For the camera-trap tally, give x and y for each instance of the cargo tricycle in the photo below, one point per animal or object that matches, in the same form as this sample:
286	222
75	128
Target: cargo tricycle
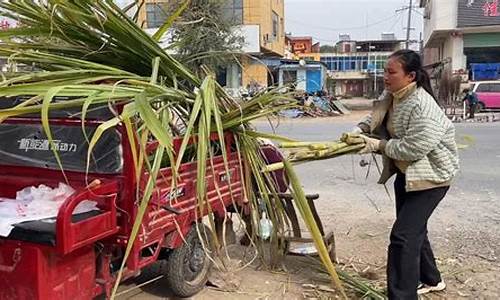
77	255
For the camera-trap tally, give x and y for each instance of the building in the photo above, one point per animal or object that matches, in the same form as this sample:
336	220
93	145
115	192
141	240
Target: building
268	16
307	76
260	22
356	67
460	34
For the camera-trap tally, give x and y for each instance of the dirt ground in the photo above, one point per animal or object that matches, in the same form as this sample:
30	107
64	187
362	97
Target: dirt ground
463	231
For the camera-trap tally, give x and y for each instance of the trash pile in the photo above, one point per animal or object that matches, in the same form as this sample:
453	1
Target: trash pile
316	105
37	203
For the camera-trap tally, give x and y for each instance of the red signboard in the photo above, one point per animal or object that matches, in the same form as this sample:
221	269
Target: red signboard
490	9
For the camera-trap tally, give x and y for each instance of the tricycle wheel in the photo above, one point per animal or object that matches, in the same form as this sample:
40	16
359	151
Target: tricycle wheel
188	266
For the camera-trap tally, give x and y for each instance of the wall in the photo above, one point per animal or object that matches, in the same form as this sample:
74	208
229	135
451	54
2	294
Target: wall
260	12
443	16
453	48
301	80
431	55
254	71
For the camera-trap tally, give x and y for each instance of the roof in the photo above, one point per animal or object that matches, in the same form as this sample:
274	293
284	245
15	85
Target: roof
380	41
299	37
276	62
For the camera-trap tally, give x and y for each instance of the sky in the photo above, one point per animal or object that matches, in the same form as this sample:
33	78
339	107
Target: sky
324	20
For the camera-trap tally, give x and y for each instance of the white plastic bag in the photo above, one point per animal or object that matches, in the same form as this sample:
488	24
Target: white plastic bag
36	203
266	227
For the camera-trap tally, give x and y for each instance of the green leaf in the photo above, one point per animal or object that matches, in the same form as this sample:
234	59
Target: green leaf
51	93
170	20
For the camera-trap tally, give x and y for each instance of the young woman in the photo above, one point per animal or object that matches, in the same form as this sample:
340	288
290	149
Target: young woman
417	142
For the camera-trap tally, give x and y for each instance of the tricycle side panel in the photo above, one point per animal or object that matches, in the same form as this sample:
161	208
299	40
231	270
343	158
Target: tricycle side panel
171	212
29	271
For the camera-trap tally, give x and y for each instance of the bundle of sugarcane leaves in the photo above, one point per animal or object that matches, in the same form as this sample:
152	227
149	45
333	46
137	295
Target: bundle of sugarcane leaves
93	54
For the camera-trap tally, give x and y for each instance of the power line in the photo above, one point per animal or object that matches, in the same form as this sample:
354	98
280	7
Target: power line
342	28
395	22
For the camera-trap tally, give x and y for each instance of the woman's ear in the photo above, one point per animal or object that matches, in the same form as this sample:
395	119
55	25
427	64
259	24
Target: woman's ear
413	75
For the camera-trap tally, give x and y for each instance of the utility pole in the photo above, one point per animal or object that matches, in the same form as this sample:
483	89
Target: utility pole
408	27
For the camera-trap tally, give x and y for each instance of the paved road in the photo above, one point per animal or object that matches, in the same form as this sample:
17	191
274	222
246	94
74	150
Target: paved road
476	188
480	163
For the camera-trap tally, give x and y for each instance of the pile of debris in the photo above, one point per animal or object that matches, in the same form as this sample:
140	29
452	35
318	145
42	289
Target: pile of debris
316	105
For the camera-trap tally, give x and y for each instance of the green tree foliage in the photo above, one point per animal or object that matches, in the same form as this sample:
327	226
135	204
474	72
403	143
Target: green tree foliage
204	35
327	49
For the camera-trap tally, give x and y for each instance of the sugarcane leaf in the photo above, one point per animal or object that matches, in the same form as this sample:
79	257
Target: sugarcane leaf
51	93
126	119
170	20
148	191
98	134
152	122
258	134
189	129
305	211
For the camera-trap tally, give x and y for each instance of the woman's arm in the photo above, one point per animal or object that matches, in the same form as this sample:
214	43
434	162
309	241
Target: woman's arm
423	135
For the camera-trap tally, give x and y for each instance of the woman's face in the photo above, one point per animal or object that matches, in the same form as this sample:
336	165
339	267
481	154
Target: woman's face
395	77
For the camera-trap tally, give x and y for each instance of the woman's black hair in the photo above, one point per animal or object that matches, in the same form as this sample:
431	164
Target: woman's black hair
412	63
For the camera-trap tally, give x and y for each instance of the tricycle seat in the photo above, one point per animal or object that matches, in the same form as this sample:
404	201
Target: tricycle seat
44	231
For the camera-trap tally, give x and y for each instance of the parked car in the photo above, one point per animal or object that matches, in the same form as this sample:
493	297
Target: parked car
488	93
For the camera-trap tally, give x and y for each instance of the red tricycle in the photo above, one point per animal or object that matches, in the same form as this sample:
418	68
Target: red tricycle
78	255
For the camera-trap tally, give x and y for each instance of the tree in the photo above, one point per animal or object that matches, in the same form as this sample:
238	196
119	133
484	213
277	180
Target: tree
204	34
327	49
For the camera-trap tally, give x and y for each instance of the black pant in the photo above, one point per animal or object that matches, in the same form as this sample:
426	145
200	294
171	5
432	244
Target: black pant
472	110
410	258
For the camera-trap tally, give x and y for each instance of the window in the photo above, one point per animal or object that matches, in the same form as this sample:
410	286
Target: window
233	11
495	87
156	14
484	87
33	149
289	77
275	25
365	65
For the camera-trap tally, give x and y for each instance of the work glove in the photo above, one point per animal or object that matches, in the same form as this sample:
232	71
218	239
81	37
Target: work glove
356	130
352	138
371	144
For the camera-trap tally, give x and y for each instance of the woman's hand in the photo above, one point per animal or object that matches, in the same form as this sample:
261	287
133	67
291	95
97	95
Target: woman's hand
371	144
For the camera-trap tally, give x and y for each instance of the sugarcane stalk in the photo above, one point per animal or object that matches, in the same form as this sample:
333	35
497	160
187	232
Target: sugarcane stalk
313	155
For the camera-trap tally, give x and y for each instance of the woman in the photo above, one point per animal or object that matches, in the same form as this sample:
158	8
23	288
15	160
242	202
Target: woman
417	142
